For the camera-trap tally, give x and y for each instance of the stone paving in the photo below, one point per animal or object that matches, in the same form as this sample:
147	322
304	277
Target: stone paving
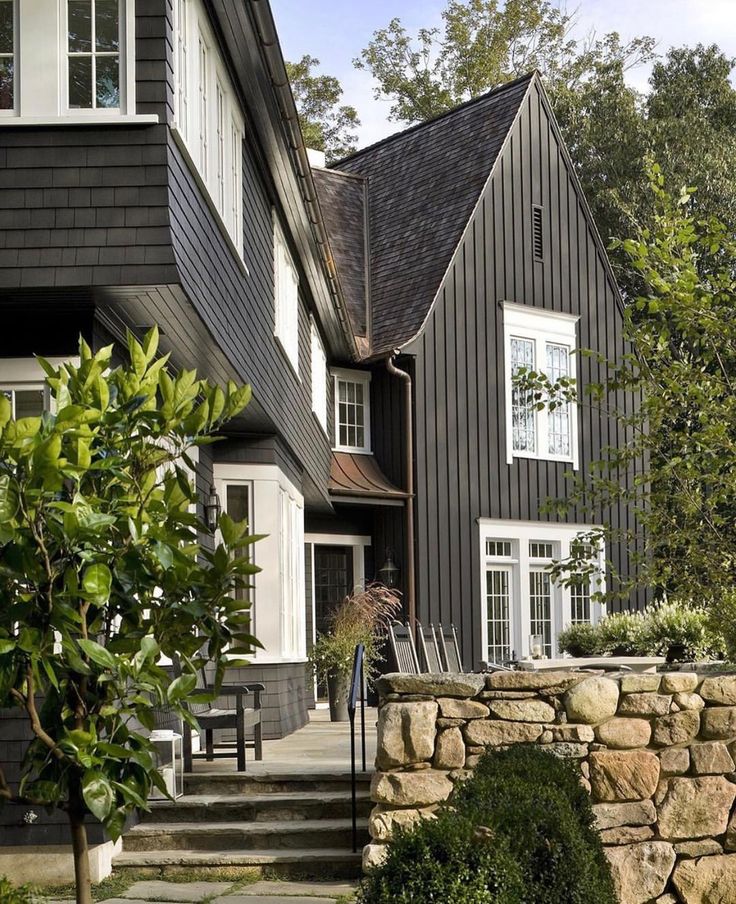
262	892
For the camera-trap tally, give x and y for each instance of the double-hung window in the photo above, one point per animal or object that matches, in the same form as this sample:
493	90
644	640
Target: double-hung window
521	602
319	378
208	120
7	55
93	54
352	410
286	294
539	342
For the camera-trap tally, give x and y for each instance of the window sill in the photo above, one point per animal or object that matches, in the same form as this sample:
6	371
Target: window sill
352	450
529	456
72	119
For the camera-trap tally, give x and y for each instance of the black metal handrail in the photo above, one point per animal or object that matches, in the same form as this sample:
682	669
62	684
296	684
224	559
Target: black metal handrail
357	686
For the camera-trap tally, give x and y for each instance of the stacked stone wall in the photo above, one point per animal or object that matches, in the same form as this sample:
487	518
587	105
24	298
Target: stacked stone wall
657	753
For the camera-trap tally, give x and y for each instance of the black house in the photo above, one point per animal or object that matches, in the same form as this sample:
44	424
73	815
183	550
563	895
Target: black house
153	171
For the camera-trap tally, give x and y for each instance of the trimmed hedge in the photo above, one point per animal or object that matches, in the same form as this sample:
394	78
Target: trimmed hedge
519	830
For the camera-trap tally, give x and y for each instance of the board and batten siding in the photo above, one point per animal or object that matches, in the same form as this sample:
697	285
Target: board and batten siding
461	465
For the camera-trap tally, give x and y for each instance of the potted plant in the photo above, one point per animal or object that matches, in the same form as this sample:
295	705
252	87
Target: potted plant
361	618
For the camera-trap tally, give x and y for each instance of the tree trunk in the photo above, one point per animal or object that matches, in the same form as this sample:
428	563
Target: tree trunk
79	845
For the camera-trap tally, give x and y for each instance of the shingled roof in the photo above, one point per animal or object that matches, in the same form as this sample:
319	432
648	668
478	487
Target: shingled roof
342	199
423	185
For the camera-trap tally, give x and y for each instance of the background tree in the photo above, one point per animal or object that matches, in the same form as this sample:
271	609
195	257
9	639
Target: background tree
681	455
101	571
327	125
685	121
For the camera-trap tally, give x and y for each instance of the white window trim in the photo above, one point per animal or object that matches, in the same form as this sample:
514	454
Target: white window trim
13	114
320	393
521	533
540	326
41	90
187	126
352	376
281	623
286	322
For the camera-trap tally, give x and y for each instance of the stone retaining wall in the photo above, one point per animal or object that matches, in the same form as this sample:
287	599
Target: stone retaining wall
657	753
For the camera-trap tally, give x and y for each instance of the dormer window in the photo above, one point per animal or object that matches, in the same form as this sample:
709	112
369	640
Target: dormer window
352	410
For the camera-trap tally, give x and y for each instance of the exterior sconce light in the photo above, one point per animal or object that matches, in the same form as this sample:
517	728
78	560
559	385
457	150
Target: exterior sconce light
388	573
212	508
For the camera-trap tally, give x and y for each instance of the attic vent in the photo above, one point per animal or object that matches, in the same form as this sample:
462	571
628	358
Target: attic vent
537	237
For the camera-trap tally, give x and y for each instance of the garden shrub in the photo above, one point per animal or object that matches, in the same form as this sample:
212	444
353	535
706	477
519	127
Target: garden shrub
535	801
519	830
622	634
20	894
580	640
443	860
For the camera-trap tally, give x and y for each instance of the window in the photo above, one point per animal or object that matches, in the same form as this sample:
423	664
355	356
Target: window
209	122
238	499
26	399
520	598
352	410
286	292
93	54
7	55
319	378
538	341
182	63
274	508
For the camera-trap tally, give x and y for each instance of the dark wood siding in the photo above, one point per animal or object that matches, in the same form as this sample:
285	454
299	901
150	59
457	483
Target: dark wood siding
461	468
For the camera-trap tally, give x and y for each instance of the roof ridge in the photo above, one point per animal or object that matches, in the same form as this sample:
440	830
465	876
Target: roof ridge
333	167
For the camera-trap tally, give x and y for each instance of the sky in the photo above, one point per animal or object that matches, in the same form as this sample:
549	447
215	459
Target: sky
335	31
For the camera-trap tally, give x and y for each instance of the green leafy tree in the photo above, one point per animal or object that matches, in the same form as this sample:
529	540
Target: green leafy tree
327	125
678	469
101	572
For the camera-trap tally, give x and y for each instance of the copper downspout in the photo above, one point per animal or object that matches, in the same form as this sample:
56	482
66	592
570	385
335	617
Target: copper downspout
409	480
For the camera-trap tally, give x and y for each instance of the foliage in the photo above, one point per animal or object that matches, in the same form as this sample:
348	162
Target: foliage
361	618
519	829
17	894
687	120
683	631
580	639
327	125
445	859
101	571
534	802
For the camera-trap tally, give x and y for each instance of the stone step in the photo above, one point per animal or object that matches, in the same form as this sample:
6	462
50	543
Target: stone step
277	864
258	807
243	783
305	834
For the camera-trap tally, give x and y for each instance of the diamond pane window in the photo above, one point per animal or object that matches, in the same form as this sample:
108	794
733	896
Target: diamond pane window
93	49
540	607
498	604
558	427
522	403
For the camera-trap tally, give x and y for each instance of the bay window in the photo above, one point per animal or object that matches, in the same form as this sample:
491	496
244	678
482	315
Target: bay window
68	61
274	507
538	341
519	596
352	410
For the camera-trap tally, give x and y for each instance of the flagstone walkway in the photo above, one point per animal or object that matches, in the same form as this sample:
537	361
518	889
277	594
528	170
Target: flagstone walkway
263	892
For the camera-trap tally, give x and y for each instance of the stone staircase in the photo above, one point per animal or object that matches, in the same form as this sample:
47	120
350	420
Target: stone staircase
281	825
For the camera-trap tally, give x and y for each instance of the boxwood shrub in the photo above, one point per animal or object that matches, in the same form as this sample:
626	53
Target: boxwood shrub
519	830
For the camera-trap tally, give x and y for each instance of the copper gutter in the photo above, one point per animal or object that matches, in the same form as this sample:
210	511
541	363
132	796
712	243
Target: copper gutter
409	487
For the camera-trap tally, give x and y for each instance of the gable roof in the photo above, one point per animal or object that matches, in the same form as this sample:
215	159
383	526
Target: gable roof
423	185
342	199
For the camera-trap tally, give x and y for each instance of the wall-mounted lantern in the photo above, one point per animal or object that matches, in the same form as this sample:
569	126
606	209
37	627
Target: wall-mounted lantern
212	508
388	573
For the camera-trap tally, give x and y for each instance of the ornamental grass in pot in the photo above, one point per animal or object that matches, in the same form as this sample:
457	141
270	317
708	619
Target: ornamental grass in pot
362	617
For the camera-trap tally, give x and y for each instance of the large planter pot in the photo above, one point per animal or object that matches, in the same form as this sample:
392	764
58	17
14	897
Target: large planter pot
338	691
